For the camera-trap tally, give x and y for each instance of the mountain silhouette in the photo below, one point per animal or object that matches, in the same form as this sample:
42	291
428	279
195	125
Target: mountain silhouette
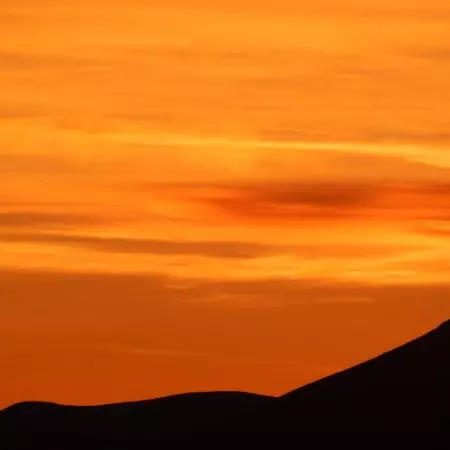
398	400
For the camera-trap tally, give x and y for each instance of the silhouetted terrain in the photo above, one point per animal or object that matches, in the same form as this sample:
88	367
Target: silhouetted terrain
398	400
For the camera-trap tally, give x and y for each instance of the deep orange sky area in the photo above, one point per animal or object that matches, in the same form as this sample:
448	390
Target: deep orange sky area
230	195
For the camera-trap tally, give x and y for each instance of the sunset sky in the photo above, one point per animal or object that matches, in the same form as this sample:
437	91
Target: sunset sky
232	194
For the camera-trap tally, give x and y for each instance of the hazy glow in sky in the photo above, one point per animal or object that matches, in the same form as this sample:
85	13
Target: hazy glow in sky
246	195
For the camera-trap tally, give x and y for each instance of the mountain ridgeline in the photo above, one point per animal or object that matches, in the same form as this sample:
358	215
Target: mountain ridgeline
398	400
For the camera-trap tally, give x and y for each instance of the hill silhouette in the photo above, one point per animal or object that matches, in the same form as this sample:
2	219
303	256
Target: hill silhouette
400	399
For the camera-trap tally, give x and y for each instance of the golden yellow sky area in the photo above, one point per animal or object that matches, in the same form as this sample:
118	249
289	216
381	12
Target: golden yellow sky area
245	195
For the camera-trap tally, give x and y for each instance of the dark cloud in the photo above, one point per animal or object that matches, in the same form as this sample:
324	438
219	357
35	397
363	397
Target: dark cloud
296	200
146	246
322	195
26	220
307	200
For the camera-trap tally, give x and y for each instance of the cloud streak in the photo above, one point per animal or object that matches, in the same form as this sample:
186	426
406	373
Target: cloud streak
30	220
297	201
322	201
225	249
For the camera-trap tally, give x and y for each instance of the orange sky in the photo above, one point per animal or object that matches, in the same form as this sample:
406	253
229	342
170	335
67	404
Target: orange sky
249	195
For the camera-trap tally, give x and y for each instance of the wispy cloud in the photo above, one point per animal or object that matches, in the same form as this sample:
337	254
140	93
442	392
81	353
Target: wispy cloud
223	249
31	220
155	352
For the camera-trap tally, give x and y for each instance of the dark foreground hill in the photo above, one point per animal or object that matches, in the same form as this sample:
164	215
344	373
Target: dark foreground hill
399	400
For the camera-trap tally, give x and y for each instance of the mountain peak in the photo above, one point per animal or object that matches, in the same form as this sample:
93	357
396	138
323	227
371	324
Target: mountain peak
441	333
395	400
444	326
